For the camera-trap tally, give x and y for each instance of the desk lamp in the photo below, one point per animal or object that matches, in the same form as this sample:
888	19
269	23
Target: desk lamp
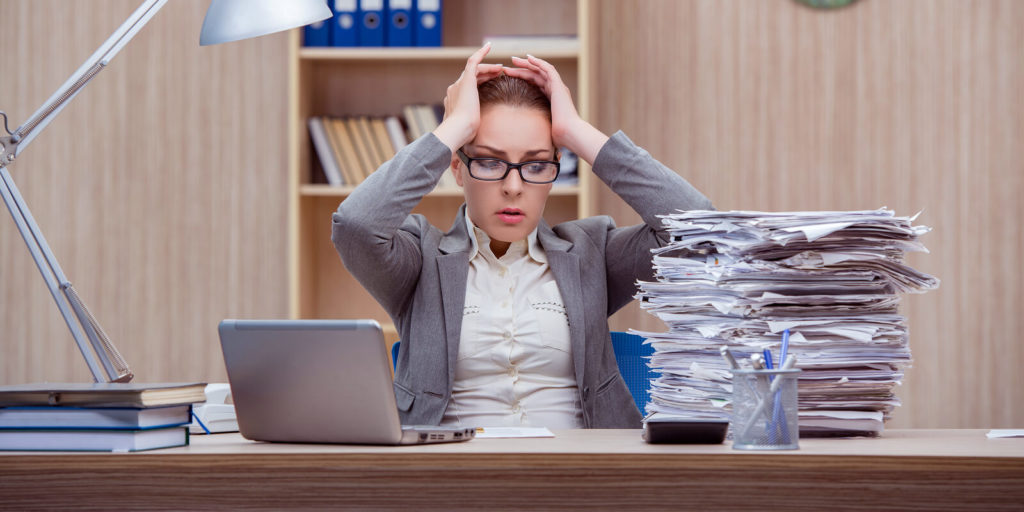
226	20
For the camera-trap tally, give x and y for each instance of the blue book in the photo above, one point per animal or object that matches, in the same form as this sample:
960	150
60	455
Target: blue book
371	23
399	23
93	418
344	29
427	28
93	440
317	33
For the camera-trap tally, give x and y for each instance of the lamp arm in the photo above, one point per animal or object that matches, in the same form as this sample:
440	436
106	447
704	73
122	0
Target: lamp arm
12	146
106	365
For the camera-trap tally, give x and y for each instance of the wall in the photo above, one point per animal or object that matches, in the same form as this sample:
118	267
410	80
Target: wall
161	188
911	104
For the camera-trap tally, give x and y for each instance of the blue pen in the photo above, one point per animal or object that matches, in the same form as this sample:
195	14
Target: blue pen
785	345
768	359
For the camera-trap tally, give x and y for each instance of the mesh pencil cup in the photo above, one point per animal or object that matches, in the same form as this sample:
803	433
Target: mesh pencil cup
764	410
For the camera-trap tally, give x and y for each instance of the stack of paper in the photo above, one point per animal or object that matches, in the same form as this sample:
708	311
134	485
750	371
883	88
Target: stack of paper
741	278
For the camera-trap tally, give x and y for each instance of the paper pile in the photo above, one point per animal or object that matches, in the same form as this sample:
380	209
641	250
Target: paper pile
741	278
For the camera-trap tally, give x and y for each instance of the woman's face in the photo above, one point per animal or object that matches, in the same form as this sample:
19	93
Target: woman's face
507	210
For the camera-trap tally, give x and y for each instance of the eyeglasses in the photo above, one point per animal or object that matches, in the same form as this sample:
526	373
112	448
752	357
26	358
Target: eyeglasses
537	172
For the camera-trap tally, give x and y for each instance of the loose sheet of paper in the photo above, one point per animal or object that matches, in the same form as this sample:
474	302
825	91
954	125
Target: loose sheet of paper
501	432
1001	433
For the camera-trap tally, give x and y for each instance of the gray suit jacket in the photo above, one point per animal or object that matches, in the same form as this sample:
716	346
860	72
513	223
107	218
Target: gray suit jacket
418	274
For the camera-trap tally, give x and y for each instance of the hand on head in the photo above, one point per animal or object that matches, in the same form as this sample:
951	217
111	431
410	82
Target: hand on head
462	102
564	116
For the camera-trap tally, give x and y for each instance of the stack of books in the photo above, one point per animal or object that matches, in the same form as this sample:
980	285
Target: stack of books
741	279
113	417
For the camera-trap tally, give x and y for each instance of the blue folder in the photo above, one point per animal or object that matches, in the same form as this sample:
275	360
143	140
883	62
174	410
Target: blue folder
399	23
317	34
344	29
371	23
427	30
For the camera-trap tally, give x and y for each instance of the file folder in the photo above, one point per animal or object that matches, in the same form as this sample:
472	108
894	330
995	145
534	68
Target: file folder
317	34
371	22
427	31
399	23
344	31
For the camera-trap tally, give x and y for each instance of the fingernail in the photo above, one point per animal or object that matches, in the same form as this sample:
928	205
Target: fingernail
530	56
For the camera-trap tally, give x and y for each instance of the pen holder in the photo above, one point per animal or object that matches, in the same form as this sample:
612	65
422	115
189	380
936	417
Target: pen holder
764	410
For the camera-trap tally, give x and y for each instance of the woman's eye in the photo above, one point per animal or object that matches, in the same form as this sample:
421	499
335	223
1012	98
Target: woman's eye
491	165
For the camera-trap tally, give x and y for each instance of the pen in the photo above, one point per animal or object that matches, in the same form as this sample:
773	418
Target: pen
785	346
729	358
768	359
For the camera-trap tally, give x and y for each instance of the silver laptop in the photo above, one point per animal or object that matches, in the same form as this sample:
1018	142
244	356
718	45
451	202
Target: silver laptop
317	381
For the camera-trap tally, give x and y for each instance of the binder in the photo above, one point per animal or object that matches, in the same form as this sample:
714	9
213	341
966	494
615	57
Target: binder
317	33
427	30
399	22
371	23
344	31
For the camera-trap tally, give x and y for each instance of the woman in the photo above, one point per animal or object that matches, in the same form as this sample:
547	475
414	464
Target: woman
503	319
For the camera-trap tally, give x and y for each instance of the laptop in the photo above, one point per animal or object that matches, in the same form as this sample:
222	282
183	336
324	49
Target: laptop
318	381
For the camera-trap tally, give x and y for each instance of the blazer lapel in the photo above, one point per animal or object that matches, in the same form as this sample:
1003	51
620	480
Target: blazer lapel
566	268
452	270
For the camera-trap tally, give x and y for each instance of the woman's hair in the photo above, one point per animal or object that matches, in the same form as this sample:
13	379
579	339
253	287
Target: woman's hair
514	92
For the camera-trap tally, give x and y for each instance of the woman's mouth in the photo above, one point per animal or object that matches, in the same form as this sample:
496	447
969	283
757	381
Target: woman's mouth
511	215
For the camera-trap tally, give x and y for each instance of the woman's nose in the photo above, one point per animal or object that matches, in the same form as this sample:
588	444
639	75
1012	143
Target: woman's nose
512	185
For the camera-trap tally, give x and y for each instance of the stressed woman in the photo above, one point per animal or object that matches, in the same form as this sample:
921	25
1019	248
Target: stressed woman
503	319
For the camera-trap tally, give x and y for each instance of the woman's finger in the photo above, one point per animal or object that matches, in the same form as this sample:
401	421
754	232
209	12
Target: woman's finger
477	57
545	66
483	77
524	63
529	75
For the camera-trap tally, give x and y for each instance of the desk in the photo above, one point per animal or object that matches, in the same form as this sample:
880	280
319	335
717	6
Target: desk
592	469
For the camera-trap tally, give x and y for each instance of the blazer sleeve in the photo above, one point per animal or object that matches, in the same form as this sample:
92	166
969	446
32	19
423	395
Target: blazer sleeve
372	230
651	189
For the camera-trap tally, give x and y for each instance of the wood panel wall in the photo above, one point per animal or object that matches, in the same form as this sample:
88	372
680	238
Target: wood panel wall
162	188
910	104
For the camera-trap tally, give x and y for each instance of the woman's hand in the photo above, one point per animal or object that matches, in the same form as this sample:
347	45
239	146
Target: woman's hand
568	129
462	102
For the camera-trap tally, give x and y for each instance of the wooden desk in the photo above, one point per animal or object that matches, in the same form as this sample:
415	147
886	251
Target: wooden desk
595	469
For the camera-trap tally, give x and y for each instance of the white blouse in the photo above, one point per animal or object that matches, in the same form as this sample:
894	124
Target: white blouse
514	366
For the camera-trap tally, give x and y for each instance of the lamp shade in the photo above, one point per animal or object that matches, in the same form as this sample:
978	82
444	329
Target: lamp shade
233	20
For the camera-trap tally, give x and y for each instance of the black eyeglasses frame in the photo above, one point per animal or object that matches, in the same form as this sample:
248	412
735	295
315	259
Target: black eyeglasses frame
467	160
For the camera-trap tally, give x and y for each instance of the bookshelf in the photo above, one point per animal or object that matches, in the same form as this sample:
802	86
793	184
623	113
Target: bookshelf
380	81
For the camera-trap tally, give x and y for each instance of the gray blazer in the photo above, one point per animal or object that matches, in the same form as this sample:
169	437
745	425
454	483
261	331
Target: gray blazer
418	274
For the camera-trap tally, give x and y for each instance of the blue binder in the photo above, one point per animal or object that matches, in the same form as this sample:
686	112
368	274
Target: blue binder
344	29
371	23
427	30
317	33
399	23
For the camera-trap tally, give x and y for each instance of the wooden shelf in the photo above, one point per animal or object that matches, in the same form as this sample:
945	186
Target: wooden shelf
320	190
379	82
453	53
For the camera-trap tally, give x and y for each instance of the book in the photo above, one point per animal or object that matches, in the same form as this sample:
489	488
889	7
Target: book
325	152
57	417
395	133
383	141
344	152
103	394
412	121
533	44
371	147
362	148
93	440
